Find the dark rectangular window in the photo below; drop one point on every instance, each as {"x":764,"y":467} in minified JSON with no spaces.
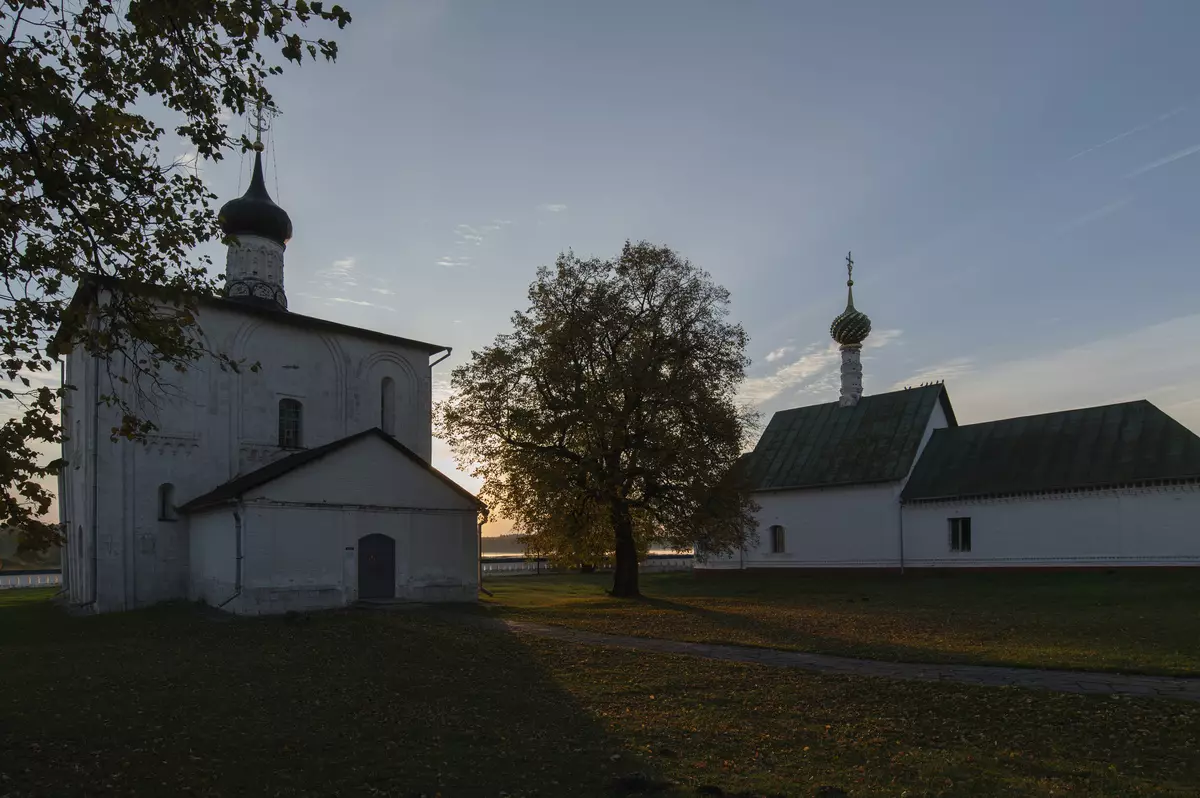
{"x":960,"y":534}
{"x":777,"y":540}
{"x":290,"y":412}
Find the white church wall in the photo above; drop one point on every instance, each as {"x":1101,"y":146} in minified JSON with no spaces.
{"x":855,"y":527}
{"x":212,"y":560}
{"x":214,"y":424}
{"x":336,"y":377}
{"x":304,"y":558}
{"x":1135,"y":526}
{"x":368,"y":472}
{"x":443,"y":557}
{"x":74,"y":500}
{"x":293,"y":560}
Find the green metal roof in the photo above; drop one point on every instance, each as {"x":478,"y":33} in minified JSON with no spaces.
{"x":1116,"y":444}
{"x":825,"y":445}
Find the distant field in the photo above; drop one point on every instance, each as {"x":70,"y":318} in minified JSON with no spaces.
{"x":172,"y":701}
{"x":1137,"y":622}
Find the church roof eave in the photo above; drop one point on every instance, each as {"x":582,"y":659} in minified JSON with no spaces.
{"x":235,"y":488}
{"x":85,"y":294}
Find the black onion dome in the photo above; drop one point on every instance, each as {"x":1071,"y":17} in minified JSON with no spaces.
{"x":255,"y":213}
{"x":852,"y":326}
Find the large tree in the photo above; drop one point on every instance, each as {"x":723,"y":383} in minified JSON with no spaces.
{"x":85,"y":89}
{"x":611,"y":407}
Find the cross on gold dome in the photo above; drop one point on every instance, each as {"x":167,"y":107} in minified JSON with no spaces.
{"x":261,"y":123}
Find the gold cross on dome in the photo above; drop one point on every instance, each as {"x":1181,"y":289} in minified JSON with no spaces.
{"x":261,"y":121}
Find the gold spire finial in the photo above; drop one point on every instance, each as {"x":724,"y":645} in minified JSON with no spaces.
{"x":849,"y":269}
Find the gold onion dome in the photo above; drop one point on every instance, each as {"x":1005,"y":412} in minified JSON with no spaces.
{"x":852,"y":326}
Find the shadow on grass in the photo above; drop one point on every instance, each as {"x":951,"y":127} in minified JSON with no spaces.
{"x":167,"y":701}
{"x":756,"y":632}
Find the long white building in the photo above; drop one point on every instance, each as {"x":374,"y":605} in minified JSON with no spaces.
{"x":893,"y":481}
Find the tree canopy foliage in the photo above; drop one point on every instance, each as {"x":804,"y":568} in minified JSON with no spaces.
{"x":85,"y":189}
{"x":610,"y":411}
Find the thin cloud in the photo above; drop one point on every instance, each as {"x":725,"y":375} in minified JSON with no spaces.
{"x":465,"y":232}
{"x":1172,"y":158}
{"x":1083,"y":376}
{"x":815,"y":372}
{"x":340,"y":269}
{"x":817,"y":360}
{"x":359,"y":302}
{"x":384,"y":291}
{"x":440,"y":389}
{"x":1096,"y":215}
{"x":341,"y":300}
{"x":1130,"y":132}
{"x":454,"y":261}
{"x":779,"y":353}
{"x":941,"y":372}
{"x":552,"y":207}
{"x":467,"y":235}
{"x":881,"y":338}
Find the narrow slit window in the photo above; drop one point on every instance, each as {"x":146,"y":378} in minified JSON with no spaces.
{"x":778,"y":540}
{"x":387,"y":406}
{"x":960,"y":534}
{"x":290,"y":420}
{"x":166,"y":502}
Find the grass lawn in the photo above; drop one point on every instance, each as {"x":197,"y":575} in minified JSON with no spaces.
{"x":1135,"y":622}
{"x":171,"y":701}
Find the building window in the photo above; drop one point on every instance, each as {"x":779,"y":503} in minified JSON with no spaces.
{"x":290,"y":412}
{"x":960,"y":534}
{"x":777,"y":540}
{"x":166,"y":502}
{"x":387,"y":405}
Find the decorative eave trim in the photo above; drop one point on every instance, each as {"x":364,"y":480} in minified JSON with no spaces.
{"x":1062,"y":493}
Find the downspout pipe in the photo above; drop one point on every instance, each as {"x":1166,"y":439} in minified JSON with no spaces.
{"x":900,"y":506}
{"x":237,"y":534}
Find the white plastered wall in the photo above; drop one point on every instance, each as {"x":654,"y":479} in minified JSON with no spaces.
{"x":1128,"y":526}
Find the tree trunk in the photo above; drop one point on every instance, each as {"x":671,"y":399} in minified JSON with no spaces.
{"x":625,"y":576}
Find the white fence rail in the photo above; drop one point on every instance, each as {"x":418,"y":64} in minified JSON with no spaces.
{"x":30,"y":580}
{"x":519,"y":566}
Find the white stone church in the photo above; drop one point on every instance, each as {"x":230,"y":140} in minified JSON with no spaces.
{"x":892,"y":481}
{"x":304,"y":485}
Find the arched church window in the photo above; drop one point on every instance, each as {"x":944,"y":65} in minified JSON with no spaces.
{"x":387,"y":405}
{"x":778,"y":542}
{"x":290,"y":423}
{"x":166,"y":502}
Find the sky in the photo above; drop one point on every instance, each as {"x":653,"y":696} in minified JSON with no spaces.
{"x":1019,"y":182}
